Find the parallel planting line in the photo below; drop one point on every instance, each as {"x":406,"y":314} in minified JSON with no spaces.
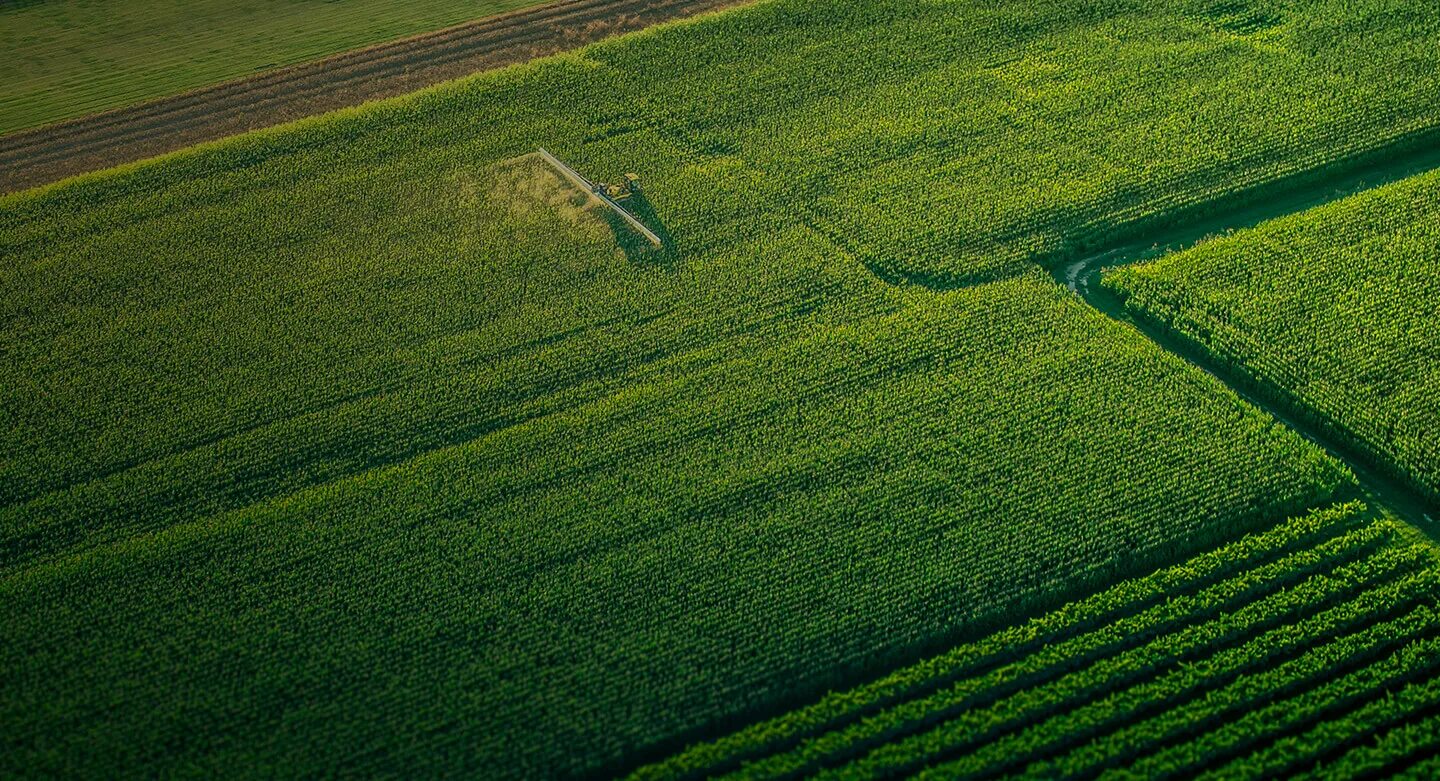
{"x":1335,"y":667}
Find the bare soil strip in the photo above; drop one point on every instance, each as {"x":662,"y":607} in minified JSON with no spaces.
{"x":34,"y":157}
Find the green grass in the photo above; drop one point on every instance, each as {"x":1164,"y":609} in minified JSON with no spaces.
{"x":1331,"y":310}
{"x":68,"y":58}
{"x":1315,"y":640}
{"x":355,"y":446}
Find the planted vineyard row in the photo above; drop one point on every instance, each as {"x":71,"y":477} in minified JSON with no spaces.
{"x":1332,"y":311}
{"x":1316,"y":640}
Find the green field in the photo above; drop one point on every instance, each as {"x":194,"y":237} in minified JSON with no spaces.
{"x":1310,"y":649}
{"x":365,"y":446}
{"x":569,"y":520}
{"x":1331,"y":310}
{"x":68,"y":58}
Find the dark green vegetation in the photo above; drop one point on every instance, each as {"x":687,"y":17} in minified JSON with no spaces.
{"x":67,"y":58}
{"x":1332,"y":311}
{"x":580,"y":540}
{"x":356,"y":446}
{"x":1312,"y":648}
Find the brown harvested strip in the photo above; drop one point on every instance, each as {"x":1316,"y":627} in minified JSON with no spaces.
{"x":34,"y":157}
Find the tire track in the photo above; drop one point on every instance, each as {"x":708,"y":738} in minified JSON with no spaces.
{"x":30,"y":158}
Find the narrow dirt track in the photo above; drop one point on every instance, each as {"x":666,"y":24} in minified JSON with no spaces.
{"x":1385,"y":486}
{"x":34,"y":157}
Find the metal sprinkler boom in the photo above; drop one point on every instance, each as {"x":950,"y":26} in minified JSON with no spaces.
{"x":609,"y":194}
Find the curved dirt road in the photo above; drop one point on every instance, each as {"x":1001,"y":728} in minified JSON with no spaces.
{"x":1385,"y":486}
{"x":33,"y":157}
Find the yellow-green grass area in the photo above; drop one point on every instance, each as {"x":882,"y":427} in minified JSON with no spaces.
{"x":1311,"y":650}
{"x":67,"y":58}
{"x":1331,"y":311}
{"x":360,"y":446}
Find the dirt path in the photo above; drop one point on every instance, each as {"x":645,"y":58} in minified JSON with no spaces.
{"x":1384,"y":486}
{"x":33,"y":157}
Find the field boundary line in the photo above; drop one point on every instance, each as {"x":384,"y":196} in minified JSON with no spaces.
{"x":1384,"y":485}
{"x":38,"y":156}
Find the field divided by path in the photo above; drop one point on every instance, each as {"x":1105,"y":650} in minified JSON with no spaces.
{"x":166,"y":123}
{"x":1311,"y":649}
{"x":355,"y":446}
{"x":918,"y":157}
{"x":1330,"y":311}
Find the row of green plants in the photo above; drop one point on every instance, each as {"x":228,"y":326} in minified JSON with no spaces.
{"x":1246,"y":711}
{"x":1396,"y":748}
{"x":1314,"y":640}
{"x":1331,"y":311}
{"x":985,"y":735}
{"x":1183,"y":677}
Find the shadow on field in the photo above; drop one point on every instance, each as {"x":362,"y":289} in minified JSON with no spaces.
{"x":637,"y":248}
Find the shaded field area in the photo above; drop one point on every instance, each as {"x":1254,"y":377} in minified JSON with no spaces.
{"x":358,"y":446}
{"x":1308,"y":651}
{"x":29,"y":158}
{"x":1330,"y":311}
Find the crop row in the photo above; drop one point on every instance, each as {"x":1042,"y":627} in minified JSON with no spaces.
{"x":1181,"y":679}
{"x":1212,"y":679}
{"x":1397,"y":748}
{"x":1320,"y":668}
{"x":1130,"y":598}
{"x":1030,"y":672}
{"x":1295,"y":752}
{"x":976,"y":730}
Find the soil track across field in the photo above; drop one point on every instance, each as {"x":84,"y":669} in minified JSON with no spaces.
{"x":1384,"y":485}
{"x":34,"y":157}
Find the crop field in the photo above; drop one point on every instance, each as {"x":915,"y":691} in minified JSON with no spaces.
{"x":561,"y":532}
{"x":67,"y":58}
{"x":369,"y":446}
{"x":1332,"y":310}
{"x":1309,"y":650}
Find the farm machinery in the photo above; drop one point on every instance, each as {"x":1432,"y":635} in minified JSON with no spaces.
{"x":612,"y":195}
